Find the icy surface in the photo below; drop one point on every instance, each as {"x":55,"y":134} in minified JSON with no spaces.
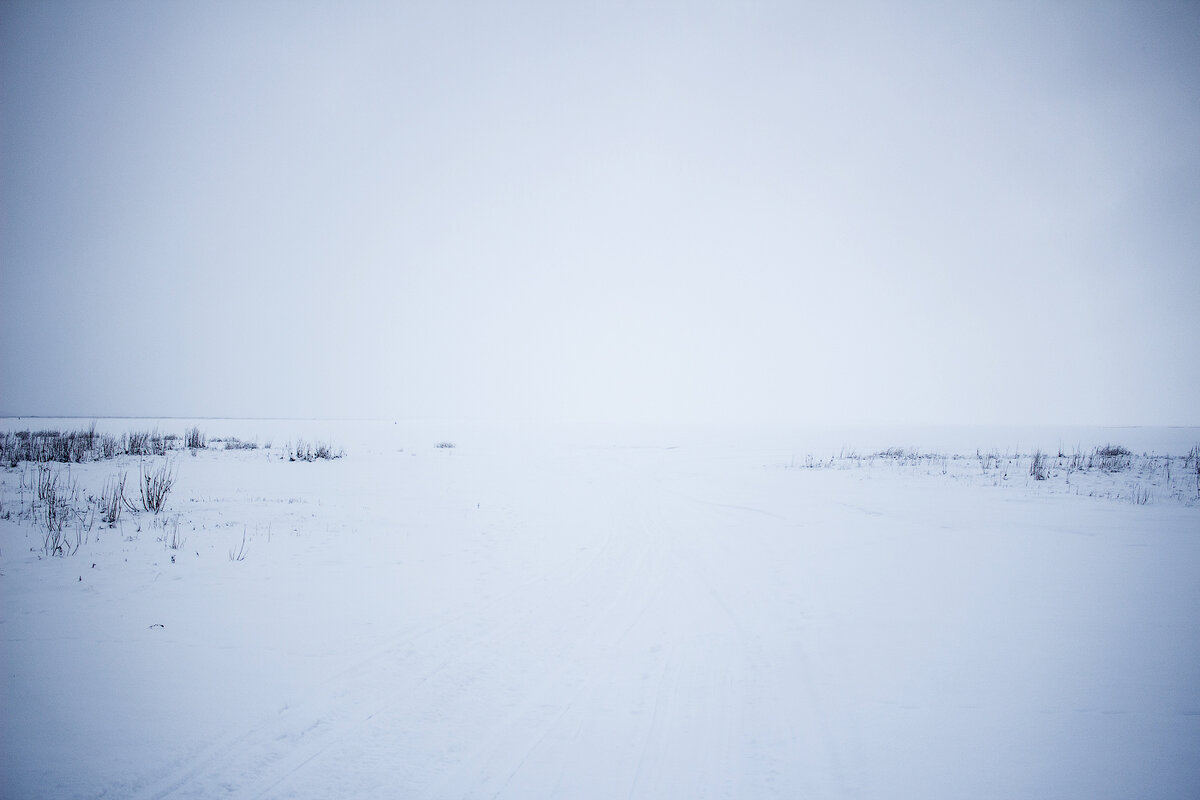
{"x":597,"y":614}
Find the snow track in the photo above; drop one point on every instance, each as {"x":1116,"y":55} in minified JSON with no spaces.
{"x":620,"y":671}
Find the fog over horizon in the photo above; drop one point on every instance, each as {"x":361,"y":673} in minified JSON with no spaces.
{"x":927,"y":213}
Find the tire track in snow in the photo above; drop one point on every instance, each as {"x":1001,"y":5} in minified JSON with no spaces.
{"x":258,"y":761}
{"x":662,"y":654}
{"x":774,"y":655}
{"x":511,"y":744}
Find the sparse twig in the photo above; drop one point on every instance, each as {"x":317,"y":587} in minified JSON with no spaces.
{"x":240,"y":553}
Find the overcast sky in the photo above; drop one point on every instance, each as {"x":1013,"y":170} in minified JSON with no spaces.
{"x":824,"y":213}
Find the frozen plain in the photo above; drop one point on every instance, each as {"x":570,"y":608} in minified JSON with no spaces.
{"x":612,"y":613}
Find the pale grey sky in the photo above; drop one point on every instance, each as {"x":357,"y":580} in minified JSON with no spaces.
{"x":925,"y":212}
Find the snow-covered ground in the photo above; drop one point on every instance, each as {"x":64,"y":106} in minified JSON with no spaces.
{"x":610,"y":613}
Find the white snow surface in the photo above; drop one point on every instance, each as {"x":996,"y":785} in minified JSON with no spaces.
{"x":611,"y":613}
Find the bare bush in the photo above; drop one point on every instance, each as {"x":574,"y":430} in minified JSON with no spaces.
{"x":155,"y":486}
{"x":47,"y":483}
{"x":1039,"y":467}
{"x":55,"y":516}
{"x":327,"y":450}
{"x":112,"y":498}
{"x":59,"y":542}
{"x":110,"y":446}
{"x":55,"y":512}
{"x":194,"y":439}
{"x":148,"y":443}
{"x":1192,"y":459}
{"x":137,"y":443}
{"x":9,"y":449}
{"x":1113,"y":458}
{"x":54,"y":541}
{"x":304,"y":451}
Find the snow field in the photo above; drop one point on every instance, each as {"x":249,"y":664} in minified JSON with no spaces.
{"x":640,"y":614}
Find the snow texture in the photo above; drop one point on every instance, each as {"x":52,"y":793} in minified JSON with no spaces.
{"x":611,"y":613}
